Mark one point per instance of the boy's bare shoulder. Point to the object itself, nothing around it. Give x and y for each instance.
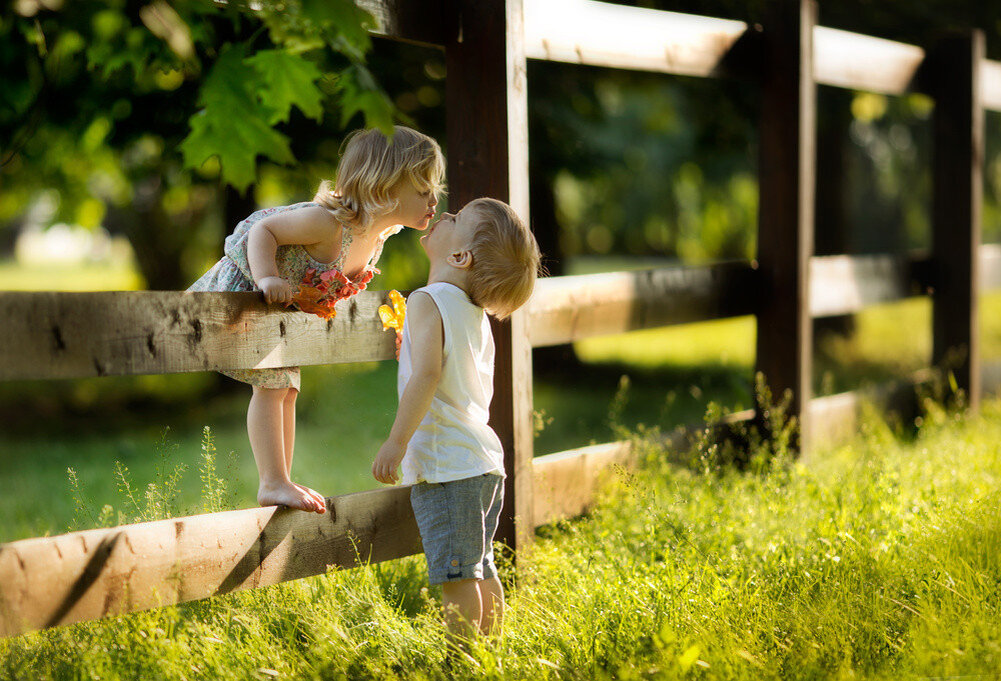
(421, 305)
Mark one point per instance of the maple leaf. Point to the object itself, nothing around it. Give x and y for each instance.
(289, 80)
(349, 21)
(233, 124)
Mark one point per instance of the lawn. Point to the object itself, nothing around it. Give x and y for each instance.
(881, 560)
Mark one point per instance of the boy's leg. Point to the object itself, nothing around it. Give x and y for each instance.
(463, 608)
(288, 437)
(492, 598)
(265, 426)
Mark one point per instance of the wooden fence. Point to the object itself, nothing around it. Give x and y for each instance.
(87, 575)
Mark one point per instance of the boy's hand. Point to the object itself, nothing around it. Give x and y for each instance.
(387, 461)
(276, 290)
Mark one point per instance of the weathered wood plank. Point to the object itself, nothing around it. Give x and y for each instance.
(861, 62)
(72, 335)
(566, 483)
(836, 418)
(841, 284)
(953, 76)
(787, 162)
(990, 84)
(990, 266)
(92, 574)
(564, 309)
(617, 36)
(423, 22)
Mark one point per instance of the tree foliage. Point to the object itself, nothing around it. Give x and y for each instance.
(135, 114)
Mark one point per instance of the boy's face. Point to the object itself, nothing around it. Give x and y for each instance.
(451, 234)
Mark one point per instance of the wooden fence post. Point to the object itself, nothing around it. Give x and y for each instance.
(958, 147)
(487, 135)
(787, 167)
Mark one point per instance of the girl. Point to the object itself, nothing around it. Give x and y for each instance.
(331, 243)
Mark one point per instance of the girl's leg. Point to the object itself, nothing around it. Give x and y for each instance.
(288, 434)
(463, 609)
(266, 426)
(492, 597)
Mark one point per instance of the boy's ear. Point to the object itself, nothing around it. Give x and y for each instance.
(460, 259)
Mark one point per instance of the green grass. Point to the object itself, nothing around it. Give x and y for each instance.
(879, 560)
(115, 276)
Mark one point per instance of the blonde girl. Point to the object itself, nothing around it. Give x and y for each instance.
(330, 246)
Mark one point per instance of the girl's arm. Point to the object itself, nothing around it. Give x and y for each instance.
(426, 341)
(306, 226)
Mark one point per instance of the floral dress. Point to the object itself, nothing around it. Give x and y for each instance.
(325, 281)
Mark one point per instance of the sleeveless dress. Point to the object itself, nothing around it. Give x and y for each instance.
(296, 266)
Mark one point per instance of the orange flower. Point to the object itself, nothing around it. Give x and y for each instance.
(309, 299)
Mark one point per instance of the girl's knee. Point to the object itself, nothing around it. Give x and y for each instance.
(290, 396)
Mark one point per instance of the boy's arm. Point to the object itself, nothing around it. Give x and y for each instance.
(426, 342)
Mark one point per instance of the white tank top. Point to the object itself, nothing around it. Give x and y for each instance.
(453, 441)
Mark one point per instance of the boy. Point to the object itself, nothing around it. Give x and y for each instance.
(483, 259)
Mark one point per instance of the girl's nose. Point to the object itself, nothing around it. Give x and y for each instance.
(433, 201)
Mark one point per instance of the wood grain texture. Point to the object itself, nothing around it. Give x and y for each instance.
(564, 309)
(413, 21)
(73, 335)
(953, 77)
(616, 36)
(92, 574)
(787, 162)
(861, 62)
(990, 84)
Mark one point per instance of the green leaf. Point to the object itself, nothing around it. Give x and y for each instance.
(289, 80)
(359, 94)
(350, 21)
(233, 124)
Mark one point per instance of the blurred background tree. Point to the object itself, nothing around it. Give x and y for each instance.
(150, 117)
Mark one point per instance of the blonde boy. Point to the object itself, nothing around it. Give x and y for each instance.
(483, 259)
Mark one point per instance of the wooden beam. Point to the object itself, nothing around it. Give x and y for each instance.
(861, 62)
(990, 84)
(567, 483)
(785, 218)
(990, 266)
(92, 574)
(953, 77)
(617, 36)
(73, 335)
(423, 22)
(842, 284)
(564, 309)
(487, 133)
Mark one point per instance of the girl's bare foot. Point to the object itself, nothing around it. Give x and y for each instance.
(313, 493)
(288, 494)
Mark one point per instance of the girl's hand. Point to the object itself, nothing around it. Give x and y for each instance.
(276, 290)
(387, 461)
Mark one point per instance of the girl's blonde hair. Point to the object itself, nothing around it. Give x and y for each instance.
(505, 258)
(371, 164)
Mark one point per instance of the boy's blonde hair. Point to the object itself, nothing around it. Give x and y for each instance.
(371, 164)
(505, 259)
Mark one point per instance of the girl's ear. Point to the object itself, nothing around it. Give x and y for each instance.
(460, 259)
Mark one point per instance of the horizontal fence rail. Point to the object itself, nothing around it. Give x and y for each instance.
(50, 335)
(563, 309)
(75, 335)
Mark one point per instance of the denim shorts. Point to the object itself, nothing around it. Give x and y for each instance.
(457, 521)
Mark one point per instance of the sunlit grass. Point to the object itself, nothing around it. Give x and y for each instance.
(881, 560)
(110, 276)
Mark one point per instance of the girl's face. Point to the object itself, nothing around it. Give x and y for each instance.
(416, 206)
